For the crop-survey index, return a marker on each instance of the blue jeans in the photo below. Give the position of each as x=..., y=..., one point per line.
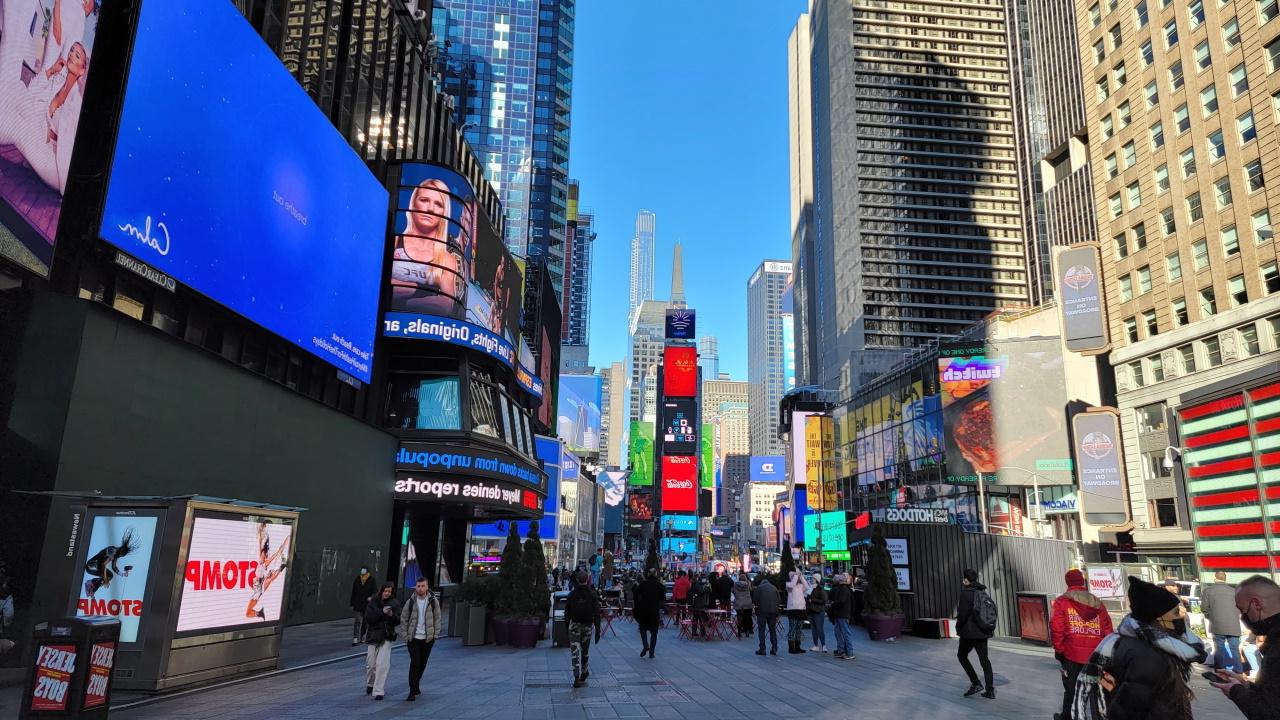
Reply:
x=769, y=622
x=1226, y=652
x=819, y=627
x=842, y=635
x=1250, y=653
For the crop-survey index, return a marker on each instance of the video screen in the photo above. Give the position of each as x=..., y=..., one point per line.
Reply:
x=46, y=52
x=640, y=454
x=227, y=177
x=679, y=426
x=578, y=421
x=235, y=573
x=113, y=575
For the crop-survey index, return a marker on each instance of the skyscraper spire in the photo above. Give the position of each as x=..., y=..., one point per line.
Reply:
x=677, y=278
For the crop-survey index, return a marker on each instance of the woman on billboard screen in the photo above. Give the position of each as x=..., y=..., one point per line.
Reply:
x=427, y=272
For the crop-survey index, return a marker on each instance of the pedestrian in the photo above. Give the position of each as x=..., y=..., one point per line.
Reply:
x=606, y=574
x=381, y=616
x=555, y=577
x=1142, y=669
x=797, y=590
x=1218, y=603
x=768, y=601
x=722, y=588
x=817, y=608
x=1078, y=624
x=596, y=564
x=629, y=583
x=582, y=610
x=840, y=610
x=1258, y=600
x=742, y=603
x=699, y=602
x=680, y=590
x=1251, y=647
x=649, y=596
x=362, y=588
x=420, y=621
x=975, y=624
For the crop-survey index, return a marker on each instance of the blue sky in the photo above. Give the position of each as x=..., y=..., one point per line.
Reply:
x=681, y=108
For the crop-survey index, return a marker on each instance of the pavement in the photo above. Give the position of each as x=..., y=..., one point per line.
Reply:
x=702, y=680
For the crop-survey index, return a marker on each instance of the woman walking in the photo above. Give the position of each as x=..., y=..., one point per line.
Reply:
x=797, y=610
x=649, y=596
x=380, y=619
x=742, y=603
x=818, y=614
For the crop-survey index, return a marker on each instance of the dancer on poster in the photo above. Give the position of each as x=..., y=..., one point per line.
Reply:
x=266, y=573
x=104, y=565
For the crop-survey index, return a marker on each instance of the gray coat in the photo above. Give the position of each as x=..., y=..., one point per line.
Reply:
x=1218, y=603
x=767, y=599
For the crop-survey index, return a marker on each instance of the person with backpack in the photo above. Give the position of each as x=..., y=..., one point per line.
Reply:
x=582, y=610
x=420, y=619
x=1078, y=624
x=975, y=624
x=381, y=616
x=817, y=606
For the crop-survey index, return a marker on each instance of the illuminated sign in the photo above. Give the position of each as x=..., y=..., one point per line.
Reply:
x=777, y=267
x=679, y=426
x=932, y=516
x=471, y=491
x=687, y=546
x=682, y=324
x=640, y=454
x=679, y=523
x=833, y=531
x=768, y=468
x=457, y=460
x=114, y=581
x=680, y=372
x=234, y=574
x=462, y=334
x=1101, y=464
x=679, y=484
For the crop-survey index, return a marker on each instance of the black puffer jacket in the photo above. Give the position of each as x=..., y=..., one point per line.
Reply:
x=966, y=624
x=840, y=602
x=1260, y=700
x=380, y=626
x=1148, y=686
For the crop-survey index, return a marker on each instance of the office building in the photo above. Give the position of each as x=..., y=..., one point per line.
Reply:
x=613, y=414
x=716, y=393
x=810, y=285
x=644, y=352
x=755, y=510
x=1182, y=134
x=917, y=226
x=576, y=301
x=709, y=357
x=642, y=245
x=766, y=361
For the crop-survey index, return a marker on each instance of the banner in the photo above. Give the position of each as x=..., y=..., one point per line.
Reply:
x=114, y=581
x=1078, y=281
x=680, y=371
x=1101, y=462
x=234, y=574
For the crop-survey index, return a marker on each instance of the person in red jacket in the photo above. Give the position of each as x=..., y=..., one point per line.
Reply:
x=680, y=591
x=1078, y=624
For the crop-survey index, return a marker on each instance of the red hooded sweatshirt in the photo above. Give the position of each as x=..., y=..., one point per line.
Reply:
x=1078, y=624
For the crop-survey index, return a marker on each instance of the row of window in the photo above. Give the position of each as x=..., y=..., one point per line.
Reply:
x=1267, y=11
x=1206, y=353
x=1254, y=180
x=1237, y=289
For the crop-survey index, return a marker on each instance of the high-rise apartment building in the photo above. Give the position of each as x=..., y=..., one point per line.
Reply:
x=709, y=357
x=1182, y=101
x=917, y=212
x=810, y=285
x=576, y=302
x=766, y=354
x=644, y=352
x=642, y=244
x=613, y=414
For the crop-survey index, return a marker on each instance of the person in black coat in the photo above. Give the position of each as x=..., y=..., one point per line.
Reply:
x=381, y=616
x=722, y=588
x=973, y=636
x=362, y=588
x=699, y=602
x=649, y=597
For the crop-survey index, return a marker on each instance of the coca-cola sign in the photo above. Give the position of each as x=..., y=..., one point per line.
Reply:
x=679, y=484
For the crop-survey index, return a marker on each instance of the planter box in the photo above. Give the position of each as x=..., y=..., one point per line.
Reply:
x=476, y=627
x=883, y=627
x=459, y=612
x=501, y=631
x=524, y=633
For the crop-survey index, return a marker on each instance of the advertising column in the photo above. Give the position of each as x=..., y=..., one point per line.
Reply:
x=679, y=443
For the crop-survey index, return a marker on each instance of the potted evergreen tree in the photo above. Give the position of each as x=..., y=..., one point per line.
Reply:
x=508, y=595
x=883, y=615
x=534, y=599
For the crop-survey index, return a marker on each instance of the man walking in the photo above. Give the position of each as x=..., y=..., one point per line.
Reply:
x=1218, y=603
x=362, y=588
x=582, y=610
x=420, y=619
x=768, y=602
x=1078, y=624
x=840, y=610
x=976, y=623
x=1258, y=600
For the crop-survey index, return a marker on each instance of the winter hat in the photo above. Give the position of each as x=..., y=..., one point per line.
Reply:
x=1075, y=578
x=1148, y=602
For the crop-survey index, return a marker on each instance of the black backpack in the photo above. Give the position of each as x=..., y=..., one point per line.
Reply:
x=581, y=606
x=985, y=612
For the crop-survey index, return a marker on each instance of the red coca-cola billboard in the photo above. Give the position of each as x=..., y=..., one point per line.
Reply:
x=679, y=483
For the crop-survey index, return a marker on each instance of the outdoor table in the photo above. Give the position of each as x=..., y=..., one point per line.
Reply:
x=608, y=615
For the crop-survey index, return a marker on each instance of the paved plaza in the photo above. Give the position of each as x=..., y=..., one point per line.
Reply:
x=701, y=680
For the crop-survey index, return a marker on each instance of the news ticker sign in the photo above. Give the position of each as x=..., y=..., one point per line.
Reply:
x=462, y=334
x=472, y=491
x=455, y=460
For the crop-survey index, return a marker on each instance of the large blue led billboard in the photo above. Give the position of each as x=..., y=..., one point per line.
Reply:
x=227, y=177
x=578, y=421
x=768, y=468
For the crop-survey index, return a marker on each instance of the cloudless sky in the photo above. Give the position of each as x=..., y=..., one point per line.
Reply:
x=680, y=107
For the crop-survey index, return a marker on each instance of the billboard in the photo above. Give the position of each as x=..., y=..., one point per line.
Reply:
x=768, y=468
x=707, y=457
x=679, y=523
x=788, y=353
x=680, y=371
x=1102, y=471
x=679, y=484
x=578, y=412
x=1077, y=278
x=46, y=53
x=799, y=448
x=1004, y=412
x=687, y=546
x=614, y=483
x=639, y=506
x=550, y=455
x=234, y=574
x=820, y=466
x=640, y=454
x=113, y=577
x=834, y=536
x=547, y=352
x=682, y=324
x=228, y=177
x=679, y=426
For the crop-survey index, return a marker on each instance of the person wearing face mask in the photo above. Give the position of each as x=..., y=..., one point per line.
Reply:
x=362, y=588
x=1141, y=671
x=1258, y=600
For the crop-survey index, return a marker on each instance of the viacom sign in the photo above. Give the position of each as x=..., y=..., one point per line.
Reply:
x=679, y=484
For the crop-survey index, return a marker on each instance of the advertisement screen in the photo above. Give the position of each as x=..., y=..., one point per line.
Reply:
x=1078, y=282
x=229, y=178
x=788, y=353
x=548, y=352
x=707, y=456
x=799, y=449
x=113, y=580
x=578, y=421
x=46, y=53
x=682, y=324
x=614, y=483
x=680, y=372
x=639, y=506
x=235, y=573
x=548, y=527
x=679, y=484
x=679, y=523
x=768, y=468
x=679, y=426
x=1102, y=471
x=687, y=546
x=1004, y=407
x=640, y=454
x=834, y=536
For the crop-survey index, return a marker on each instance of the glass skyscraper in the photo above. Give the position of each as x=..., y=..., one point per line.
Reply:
x=642, y=261
x=768, y=354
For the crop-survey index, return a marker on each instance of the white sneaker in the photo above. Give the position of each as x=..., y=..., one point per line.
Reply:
x=815, y=648
x=823, y=648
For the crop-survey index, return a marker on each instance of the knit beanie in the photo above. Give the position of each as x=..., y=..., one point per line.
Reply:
x=1148, y=602
x=1075, y=578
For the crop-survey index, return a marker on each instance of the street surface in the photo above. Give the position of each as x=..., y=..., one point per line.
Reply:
x=697, y=680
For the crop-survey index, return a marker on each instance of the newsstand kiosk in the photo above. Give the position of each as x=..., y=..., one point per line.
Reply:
x=197, y=586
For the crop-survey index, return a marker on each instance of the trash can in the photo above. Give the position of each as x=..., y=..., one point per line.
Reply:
x=69, y=674
x=559, y=624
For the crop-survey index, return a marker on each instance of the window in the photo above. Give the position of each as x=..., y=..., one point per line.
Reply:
x=1208, y=303
x=1144, y=279
x=1222, y=190
x=1209, y=100
x=1217, y=148
x=1175, y=75
x=1116, y=37
x=1122, y=245
x=1249, y=344
x=1168, y=223
x=1188, y=355
x=1203, y=61
x=1253, y=172
x=1275, y=105
x=1274, y=324
x=1157, y=370
x=1270, y=278
x=1262, y=226
x=1140, y=14
x=1151, y=419
x=1163, y=512
x=1171, y=34
x=1099, y=52
x=1126, y=288
x=1231, y=34
x=1200, y=251
x=1152, y=93
x=1095, y=15
x=1195, y=212
x=1157, y=136
x=1122, y=76
x=1196, y=13
x=1162, y=179
x=1148, y=54
x=1180, y=317
x=1188, y=159
x=1135, y=370
x=1104, y=90
x=1135, y=195
x=1113, y=168
x=1108, y=128
x=1126, y=114
x=1149, y=322
x=1273, y=55
x=1130, y=154
x=1140, y=236
x=1174, y=264
x=1244, y=124
x=1239, y=294
x=1212, y=352
x=1131, y=329
x=1266, y=11
x=1239, y=80
x=1183, y=118
x=1230, y=241
x=1116, y=207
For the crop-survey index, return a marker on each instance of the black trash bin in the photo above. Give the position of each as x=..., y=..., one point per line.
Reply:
x=69, y=674
x=559, y=624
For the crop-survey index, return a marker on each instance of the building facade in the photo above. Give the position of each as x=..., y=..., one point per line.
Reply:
x=644, y=353
x=642, y=249
x=767, y=359
x=576, y=301
x=614, y=414
x=709, y=357
x=755, y=510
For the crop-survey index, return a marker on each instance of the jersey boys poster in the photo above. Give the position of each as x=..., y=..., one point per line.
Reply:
x=234, y=574
x=113, y=580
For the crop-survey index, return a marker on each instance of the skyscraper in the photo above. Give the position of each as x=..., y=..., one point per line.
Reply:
x=644, y=352
x=576, y=326
x=766, y=361
x=917, y=226
x=809, y=287
x=709, y=357
x=642, y=261
x=613, y=414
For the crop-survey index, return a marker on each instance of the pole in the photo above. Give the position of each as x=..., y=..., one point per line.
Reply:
x=1035, y=521
x=982, y=502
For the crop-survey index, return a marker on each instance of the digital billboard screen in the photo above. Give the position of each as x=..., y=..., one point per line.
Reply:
x=707, y=456
x=679, y=523
x=834, y=535
x=235, y=573
x=1082, y=302
x=799, y=449
x=229, y=178
x=640, y=454
x=768, y=468
x=46, y=54
x=680, y=372
x=679, y=484
x=682, y=324
x=639, y=506
x=679, y=426
x=112, y=578
x=548, y=351
x=578, y=412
